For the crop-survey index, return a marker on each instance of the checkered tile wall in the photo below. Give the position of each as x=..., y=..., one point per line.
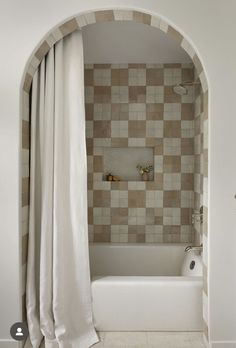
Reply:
x=133, y=105
x=198, y=160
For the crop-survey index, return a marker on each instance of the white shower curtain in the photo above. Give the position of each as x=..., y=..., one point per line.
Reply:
x=58, y=290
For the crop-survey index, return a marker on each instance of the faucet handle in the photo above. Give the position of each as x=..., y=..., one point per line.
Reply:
x=194, y=248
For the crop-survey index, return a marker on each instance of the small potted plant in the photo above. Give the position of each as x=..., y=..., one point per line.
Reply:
x=144, y=171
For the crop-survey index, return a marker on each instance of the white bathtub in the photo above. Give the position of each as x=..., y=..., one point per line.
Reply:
x=138, y=287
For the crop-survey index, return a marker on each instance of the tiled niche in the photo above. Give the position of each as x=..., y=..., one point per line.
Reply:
x=134, y=106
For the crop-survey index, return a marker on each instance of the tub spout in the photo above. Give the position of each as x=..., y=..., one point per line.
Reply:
x=194, y=248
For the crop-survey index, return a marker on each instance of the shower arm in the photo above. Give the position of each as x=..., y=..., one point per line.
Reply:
x=194, y=248
x=190, y=83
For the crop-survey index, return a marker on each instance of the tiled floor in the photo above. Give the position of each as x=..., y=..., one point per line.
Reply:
x=150, y=340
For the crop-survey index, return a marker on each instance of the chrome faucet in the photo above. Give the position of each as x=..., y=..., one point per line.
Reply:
x=197, y=216
x=194, y=248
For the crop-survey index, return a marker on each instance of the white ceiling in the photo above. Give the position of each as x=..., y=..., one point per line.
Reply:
x=129, y=42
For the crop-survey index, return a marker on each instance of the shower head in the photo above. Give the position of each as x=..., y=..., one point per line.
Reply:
x=180, y=89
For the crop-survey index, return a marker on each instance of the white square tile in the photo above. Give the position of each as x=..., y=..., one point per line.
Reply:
x=154, y=129
x=172, y=111
x=189, y=97
x=25, y=170
x=99, y=142
x=89, y=129
x=115, y=238
x=172, y=146
x=172, y=76
x=155, y=94
x=89, y=94
x=119, y=94
x=137, y=111
x=155, y=22
x=205, y=134
x=187, y=164
x=137, y=142
x=188, y=48
x=172, y=181
x=187, y=199
x=137, y=77
x=102, y=111
x=25, y=156
x=102, y=77
x=163, y=26
x=119, y=129
x=171, y=216
x=121, y=15
x=158, y=164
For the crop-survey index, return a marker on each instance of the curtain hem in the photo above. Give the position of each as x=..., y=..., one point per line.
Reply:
x=86, y=342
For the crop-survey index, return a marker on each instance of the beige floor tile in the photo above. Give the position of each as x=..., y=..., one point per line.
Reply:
x=132, y=339
x=150, y=340
x=173, y=339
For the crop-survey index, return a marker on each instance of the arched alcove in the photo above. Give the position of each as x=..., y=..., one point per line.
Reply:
x=56, y=34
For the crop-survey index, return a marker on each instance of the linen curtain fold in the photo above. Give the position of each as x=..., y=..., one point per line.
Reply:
x=58, y=293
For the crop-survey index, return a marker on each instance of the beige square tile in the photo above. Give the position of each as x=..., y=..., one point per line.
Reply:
x=171, y=199
x=175, y=34
x=170, y=96
x=89, y=111
x=141, y=17
x=187, y=181
x=155, y=94
x=172, y=75
x=155, y=111
x=89, y=94
x=102, y=77
x=42, y=50
x=172, y=164
x=155, y=77
x=120, y=111
x=27, y=82
x=104, y=16
x=102, y=66
x=68, y=27
x=98, y=164
x=119, y=142
x=137, y=94
x=136, y=199
x=102, y=233
x=24, y=249
x=101, y=129
x=187, y=111
x=172, y=129
x=119, y=77
x=137, y=129
x=187, y=74
x=119, y=94
x=102, y=94
x=137, y=77
x=187, y=146
x=101, y=198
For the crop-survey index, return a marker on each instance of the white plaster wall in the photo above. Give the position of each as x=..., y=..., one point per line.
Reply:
x=210, y=25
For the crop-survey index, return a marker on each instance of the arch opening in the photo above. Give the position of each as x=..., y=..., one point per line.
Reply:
x=79, y=22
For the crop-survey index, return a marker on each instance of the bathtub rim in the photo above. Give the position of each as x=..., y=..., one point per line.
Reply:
x=153, y=245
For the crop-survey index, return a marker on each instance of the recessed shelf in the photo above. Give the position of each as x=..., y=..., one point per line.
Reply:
x=122, y=162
